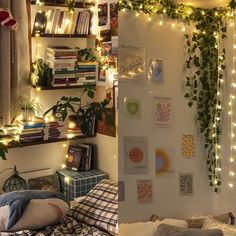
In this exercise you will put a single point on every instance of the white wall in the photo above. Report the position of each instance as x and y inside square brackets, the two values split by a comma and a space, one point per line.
[168, 44]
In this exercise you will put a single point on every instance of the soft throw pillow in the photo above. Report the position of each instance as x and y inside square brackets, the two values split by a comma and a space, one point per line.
[166, 230]
[31, 210]
[210, 223]
[197, 221]
[147, 228]
[100, 207]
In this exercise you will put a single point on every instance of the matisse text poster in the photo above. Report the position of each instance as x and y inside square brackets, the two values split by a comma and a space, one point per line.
[162, 111]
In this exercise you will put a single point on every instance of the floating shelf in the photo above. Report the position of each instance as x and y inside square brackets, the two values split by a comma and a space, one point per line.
[76, 5]
[61, 88]
[33, 143]
[85, 36]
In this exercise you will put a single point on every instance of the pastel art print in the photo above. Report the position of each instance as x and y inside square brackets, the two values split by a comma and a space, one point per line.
[144, 191]
[131, 63]
[121, 191]
[132, 107]
[155, 71]
[164, 161]
[162, 111]
[188, 146]
[135, 155]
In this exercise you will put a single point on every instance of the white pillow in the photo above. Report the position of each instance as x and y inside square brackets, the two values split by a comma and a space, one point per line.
[210, 223]
[38, 214]
[147, 228]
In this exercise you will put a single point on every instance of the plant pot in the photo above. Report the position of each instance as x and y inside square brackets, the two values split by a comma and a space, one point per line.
[27, 115]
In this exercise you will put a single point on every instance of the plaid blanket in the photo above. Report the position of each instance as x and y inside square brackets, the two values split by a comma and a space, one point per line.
[68, 227]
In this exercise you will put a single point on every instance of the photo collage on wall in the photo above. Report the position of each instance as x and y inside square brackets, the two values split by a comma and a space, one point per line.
[135, 69]
[108, 26]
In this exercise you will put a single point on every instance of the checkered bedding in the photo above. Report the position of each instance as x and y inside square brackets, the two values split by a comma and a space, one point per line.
[100, 207]
[68, 227]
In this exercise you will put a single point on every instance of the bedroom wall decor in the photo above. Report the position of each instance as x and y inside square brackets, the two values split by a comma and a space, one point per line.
[188, 146]
[144, 191]
[135, 155]
[186, 184]
[155, 71]
[162, 111]
[121, 191]
[164, 162]
[133, 107]
[205, 65]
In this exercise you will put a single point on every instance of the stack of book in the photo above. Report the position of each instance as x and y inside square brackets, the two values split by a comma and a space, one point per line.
[87, 72]
[32, 131]
[56, 21]
[62, 61]
[54, 130]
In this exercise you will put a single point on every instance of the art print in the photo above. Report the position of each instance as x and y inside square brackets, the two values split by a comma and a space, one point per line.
[164, 161]
[188, 146]
[162, 111]
[155, 71]
[132, 107]
[102, 14]
[144, 191]
[186, 184]
[121, 191]
[135, 155]
[114, 18]
[132, 63]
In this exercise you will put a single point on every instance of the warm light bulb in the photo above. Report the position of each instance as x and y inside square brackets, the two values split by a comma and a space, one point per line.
[64, 145]
[231, 173]
[72, 125]
[161, 23]
[67, 179]
[217, 157]
[164, 10]
[69, 136]
[230, 185]
[63, 166]
[231, 159]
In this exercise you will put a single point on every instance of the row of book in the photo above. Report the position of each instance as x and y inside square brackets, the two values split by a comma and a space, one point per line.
[56, 21]
[66, 71]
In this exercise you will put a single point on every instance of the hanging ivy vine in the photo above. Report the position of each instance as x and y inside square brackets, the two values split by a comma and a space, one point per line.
[205, 65]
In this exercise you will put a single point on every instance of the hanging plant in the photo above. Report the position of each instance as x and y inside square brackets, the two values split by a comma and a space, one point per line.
[205, 65]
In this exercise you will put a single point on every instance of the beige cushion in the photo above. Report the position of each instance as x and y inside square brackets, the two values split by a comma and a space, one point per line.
[166, 230]
[210, 223]
[38, 214]
[197, 221]
[147, 228]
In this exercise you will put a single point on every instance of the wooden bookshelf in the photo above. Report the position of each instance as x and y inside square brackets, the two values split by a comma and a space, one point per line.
[85, 36]
[76, 5]
[60, 88]
[33, 143]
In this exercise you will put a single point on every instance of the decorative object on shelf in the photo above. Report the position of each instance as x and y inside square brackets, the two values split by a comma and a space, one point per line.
[14, 182]
[205, 65]
[26, 109]
[84, 115]
[86, 55]
[41, 74]
[7, 19]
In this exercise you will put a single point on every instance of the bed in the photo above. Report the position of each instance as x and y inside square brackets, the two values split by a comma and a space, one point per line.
[95, 215]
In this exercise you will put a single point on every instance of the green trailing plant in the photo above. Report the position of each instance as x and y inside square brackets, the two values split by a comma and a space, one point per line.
[41, 74]
[205, 65]
[84, 115]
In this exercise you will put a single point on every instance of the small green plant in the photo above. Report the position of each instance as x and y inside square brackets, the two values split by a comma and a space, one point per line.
[84, 115]
[26, 107]
[41, 74]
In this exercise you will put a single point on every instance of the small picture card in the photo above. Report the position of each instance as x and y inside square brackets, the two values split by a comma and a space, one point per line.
[132, 107]
[164, 161]
[186, 184]
[136, 155]
[121, 191]
[144, 191]
[162, 111]
[188, 146]
[102, 14]
[155, 71]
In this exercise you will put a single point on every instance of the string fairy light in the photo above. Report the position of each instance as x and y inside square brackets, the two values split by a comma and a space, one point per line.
[231, 104]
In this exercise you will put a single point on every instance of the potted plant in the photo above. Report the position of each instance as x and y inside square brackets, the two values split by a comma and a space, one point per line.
[27, 108]
[84, 116]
